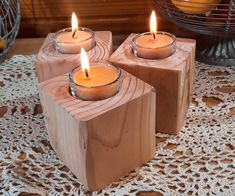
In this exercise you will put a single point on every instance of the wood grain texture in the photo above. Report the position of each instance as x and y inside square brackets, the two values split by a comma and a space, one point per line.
[100, 141]
[172, 77]
[50, 63]
[40, 17]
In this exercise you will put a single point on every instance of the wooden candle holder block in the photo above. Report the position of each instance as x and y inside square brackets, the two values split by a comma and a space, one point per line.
[101, 141]
[172, 77]
[51, 63]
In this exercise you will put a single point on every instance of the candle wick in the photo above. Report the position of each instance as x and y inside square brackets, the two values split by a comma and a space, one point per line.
[86, 72]
[74, 33]
[154, 36]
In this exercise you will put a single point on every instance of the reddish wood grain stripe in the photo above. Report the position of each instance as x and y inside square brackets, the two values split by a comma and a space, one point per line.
[59, 90]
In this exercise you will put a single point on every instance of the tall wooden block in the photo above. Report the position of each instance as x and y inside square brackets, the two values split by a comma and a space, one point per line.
[100, 141]
[172, 77]
[50, 63]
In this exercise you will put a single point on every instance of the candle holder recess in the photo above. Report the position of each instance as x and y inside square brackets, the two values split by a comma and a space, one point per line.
[65, 43]
[154, 53]
[51, 63]
[172, 77]
[100, 141]
[97, 92]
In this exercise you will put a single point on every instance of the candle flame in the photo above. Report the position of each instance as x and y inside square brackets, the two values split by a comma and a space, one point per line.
[74, 22]
[153, 23]
[85, 63]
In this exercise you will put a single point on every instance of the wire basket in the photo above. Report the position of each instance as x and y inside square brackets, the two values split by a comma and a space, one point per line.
[215, 18]
[9, 25]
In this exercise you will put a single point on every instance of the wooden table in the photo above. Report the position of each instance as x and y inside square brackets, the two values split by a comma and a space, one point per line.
[28, 46]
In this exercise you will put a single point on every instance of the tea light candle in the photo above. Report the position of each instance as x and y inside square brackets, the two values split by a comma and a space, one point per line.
[71, 40]
[96, 81]
[153, 44]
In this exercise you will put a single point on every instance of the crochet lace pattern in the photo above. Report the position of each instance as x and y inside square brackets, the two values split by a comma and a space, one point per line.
[199, 161]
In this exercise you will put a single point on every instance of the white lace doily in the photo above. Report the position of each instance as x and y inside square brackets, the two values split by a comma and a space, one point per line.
[200, 161]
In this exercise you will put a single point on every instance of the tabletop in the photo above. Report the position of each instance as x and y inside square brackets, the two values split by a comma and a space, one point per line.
[203, 154]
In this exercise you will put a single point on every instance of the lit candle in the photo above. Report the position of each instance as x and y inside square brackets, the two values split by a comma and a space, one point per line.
[71, 40]
[154, 44]
[96, 81]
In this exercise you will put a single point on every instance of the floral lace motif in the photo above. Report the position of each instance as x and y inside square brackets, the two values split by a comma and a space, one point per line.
[199, 161]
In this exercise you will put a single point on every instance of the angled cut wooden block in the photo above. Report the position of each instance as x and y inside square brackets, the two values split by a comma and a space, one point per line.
[50, 63]
[100, 141]
[172, 77]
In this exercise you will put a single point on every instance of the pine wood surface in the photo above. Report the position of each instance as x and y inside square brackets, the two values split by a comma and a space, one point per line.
[172, 77]
[93, 137]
